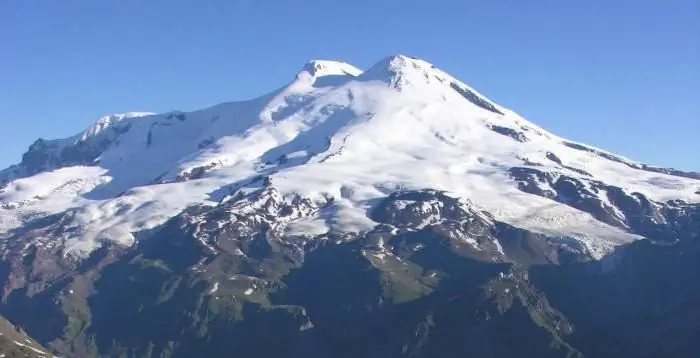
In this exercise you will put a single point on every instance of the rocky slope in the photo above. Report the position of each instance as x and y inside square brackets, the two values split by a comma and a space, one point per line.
[393, 212]
[15, 343]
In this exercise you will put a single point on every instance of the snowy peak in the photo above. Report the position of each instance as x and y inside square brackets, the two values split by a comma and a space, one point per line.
[409, 73]
[402, 63]
[110, 121]
[390, 69]
[320, 68]
[325, 71]
[400, 70]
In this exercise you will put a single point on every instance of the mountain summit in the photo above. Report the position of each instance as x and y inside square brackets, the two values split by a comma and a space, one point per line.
[344, 200]
[351, 135]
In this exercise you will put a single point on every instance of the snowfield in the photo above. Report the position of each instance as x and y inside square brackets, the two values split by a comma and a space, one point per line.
[334, 131]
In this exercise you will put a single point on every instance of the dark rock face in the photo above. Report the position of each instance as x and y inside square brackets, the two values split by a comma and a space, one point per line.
[534, 181]
[553, 157]
[179, 116]
[671, 171]
[510, 132]
[599, 153]
[649, 168]
[419, 208]
[612, 205]
[196, 172]
[45, 155]
[435, 277]
[204, 143]
[649, 301]
[473, 98]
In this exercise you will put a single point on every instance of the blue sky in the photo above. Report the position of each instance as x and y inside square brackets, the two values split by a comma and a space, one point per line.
[623, 75]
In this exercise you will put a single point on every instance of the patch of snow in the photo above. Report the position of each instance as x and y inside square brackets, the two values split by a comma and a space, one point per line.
[310, 226]
[298, 154]
[380, 243]
[380, 256]
[499, 247]
[30, 347]
[214, 288]
[306, 326]
[402, 204]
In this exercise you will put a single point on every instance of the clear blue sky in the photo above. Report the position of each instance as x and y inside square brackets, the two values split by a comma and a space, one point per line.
[620, 74]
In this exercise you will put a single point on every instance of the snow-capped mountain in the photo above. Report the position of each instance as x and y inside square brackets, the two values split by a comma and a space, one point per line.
[334, 131]
[392, 212]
